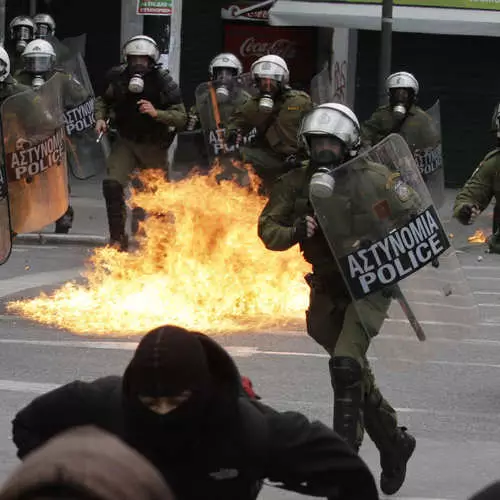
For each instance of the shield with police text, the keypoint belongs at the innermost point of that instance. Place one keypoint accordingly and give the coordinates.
(428, 153)
(391, 247)
(215, 103)
(86, 153)
(35, 156)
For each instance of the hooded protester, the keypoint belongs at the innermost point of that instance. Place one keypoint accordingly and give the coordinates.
(182, 405)
(85, 463)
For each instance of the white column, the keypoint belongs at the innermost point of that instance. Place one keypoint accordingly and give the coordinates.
(344, 65)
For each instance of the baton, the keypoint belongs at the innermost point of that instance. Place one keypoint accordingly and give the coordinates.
(101, 133)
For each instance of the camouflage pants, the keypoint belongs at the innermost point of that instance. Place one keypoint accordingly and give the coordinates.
(126, 156)
(334, 322)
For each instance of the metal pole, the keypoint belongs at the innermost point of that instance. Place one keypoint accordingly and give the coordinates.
(385, 49)
(2, 21)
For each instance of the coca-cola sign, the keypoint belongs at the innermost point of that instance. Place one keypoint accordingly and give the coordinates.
(294, 45)
(255, 47)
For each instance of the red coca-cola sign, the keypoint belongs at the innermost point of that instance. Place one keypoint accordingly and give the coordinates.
(294, 45)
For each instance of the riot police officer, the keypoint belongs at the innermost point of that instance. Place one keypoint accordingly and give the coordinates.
(401, 115)
(276, 113)
(45, 29)
(331, 135)
(21, 31)
(38, 66)
(146, 107)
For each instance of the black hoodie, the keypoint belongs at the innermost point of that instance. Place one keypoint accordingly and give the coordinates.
(220, 446)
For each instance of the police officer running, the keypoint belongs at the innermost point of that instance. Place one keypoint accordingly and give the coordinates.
(146, 107)
(331, 135)
(401, 115)
(481, 187)
(276, 112)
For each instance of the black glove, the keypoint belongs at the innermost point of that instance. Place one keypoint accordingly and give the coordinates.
(304, 228)
(465, 213)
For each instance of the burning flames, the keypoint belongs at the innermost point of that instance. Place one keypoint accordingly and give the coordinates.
(478, 237)
(200, 265)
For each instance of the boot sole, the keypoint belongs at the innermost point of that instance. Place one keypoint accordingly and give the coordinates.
(407, 457)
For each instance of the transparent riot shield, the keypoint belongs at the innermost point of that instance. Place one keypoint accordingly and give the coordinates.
(216, 107)
(391, 248)
(35, 156)
(86, 155)
(428, 153)
(321, 87)
(5, 227)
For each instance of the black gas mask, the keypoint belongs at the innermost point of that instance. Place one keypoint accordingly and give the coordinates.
(401, 100)
(22, 36)
(223, 83)
(327, 155)
(268, 88)
(137, 68)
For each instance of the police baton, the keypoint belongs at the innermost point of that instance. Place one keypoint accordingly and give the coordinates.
(102, 132)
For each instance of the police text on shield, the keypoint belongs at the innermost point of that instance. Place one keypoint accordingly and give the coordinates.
(399, 254)
(80, 118)
(38, 158)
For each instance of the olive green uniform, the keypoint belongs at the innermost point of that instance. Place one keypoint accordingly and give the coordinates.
(416, 128)
(482, 186)
(143, 141)
(276, 132)
(332, 318)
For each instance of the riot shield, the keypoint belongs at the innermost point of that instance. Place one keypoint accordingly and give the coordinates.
(391, 248)
(428, 153)
(86, 155)
(5, 228)
(214, 113)
(35, 156)
(321, 87)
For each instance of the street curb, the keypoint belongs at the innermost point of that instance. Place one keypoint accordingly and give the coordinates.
(61, 239)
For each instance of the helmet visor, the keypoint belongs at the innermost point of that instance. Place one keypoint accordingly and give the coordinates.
(269, 70)
(40, 63)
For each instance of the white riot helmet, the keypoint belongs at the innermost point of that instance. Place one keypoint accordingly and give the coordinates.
(270, 73)
(317, 133)
(45, 25)
(271, 66)
(4, 64)
(141, 45)
(39, 58)
(22, 30)
(402, 80)
(225, 60)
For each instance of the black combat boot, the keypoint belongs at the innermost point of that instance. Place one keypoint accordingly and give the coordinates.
(116, 210)
(65, 223)
(346, 378)
(394, 462)
(138, 216)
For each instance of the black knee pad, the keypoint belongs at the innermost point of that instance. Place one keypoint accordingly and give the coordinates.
(345, 371)
(112, 189)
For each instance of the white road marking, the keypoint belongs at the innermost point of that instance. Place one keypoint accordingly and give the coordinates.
(32, 387)
(35, 280)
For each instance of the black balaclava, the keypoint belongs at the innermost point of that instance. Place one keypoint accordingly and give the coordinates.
(167, 361)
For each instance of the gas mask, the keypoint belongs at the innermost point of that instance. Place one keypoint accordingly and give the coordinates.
(22, 36)
(327, 154)
(400, 102)
(37, 82)
(137, 70)
(223, 83)
(268, 89)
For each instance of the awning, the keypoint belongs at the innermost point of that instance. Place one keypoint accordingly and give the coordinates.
(444, 21)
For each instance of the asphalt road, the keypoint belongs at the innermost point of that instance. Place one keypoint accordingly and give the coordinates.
(447, 390)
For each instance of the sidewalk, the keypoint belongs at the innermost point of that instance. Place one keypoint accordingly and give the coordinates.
(90, 225)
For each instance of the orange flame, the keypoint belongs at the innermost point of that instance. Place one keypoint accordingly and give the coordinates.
(200, 264)
(478, 237)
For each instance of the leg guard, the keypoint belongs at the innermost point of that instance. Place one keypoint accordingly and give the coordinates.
(64, 223)
(116, 210)
(346, 375)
